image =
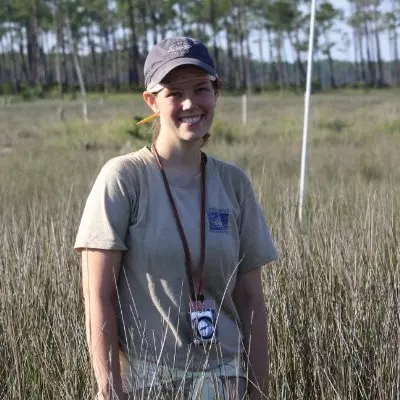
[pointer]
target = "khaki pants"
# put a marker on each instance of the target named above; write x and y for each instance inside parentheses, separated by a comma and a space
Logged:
(221, 388)
(145, 380)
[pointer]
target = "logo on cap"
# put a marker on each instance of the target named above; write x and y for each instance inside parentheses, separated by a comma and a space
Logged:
(180, 46)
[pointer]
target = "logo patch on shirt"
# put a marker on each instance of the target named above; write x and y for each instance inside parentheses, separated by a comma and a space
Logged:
(218, 219)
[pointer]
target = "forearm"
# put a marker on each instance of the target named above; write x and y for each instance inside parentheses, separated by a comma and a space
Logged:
(102, 336)
(249, 299)
(256, 342)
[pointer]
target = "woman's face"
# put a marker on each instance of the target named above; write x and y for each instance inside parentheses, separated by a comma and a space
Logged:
(186, 103)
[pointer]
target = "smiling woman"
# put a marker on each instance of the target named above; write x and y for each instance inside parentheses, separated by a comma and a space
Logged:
(185, 102)
(172, 243)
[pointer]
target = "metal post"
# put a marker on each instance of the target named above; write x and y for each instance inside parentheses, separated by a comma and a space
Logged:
(307, 108)
(244, 109)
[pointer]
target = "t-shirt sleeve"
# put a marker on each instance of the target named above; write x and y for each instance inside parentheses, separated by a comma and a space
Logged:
(256, 244)
(107, 212)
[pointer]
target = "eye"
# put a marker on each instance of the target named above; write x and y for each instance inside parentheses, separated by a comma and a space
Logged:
(173, 94)
(203, 89)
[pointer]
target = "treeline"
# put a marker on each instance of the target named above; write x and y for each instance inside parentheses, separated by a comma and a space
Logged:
(61, 45)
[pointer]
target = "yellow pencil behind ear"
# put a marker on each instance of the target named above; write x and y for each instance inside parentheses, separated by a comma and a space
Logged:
(148, 119)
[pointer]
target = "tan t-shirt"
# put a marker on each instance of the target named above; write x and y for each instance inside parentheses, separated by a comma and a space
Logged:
(128, 209)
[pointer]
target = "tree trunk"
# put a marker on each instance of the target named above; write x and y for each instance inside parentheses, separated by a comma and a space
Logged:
(58, 70)
(73, 49)
(31, 44)
(371, 69)
(126, 74)
(133, 48)
(104, 59)
(43, 69)
(356, 63)
(154, 22)
(3, 65)
(331, 70)
(273, 75)
(93, 56)
(163, 32)
(143, 17)
(381, 79)
(249, 83)
(14, 65)
(181, 17)
(241, 51)
(115, 62)
(230, 70)
(213, 22)
(25, 73)
(262, 63)
(362, 59)
(64, 64)
(32, 31)
(47, 60)
(281, 75)
(318, 69)
(299, 64)
(396, 60)
(330, 61)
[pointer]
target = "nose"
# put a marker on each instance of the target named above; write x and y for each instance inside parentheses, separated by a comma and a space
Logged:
(187, 103)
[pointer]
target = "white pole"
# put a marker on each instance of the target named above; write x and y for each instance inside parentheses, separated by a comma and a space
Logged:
(244, 109)
(307, 108)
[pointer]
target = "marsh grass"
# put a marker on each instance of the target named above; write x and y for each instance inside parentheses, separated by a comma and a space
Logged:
(333, 298)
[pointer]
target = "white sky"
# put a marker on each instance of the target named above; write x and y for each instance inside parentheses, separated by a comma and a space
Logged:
(341, 51)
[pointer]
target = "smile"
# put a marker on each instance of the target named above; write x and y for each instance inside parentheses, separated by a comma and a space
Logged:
(190, 120)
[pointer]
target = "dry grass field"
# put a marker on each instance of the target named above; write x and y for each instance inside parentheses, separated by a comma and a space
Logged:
(334, 296)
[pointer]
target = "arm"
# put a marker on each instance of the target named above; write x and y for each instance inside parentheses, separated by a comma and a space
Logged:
(100, 269)
(249, 300)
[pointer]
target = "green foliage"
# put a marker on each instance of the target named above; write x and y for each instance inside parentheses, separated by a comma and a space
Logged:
(392, 127)
(221, 131)
(6, 88)
(336, 125)
(139, 132)
(370, 169)
(29, 93)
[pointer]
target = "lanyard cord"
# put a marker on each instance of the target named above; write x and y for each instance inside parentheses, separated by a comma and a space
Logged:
(199, 296)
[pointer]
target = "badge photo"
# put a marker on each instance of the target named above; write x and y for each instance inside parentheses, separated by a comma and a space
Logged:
(203, 322)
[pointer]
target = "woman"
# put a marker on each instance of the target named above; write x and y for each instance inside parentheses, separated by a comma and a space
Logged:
(172, 242)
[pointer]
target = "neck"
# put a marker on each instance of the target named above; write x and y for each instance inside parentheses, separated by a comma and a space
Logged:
(181, 155)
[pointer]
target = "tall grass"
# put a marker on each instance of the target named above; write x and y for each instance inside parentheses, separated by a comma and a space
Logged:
(333, 298)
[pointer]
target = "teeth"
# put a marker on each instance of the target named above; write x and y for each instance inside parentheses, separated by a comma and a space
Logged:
(190, 120)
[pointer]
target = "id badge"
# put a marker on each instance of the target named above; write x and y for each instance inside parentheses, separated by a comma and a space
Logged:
(203, 322)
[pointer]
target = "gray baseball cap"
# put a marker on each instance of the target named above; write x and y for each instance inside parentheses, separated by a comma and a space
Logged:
(172, 53)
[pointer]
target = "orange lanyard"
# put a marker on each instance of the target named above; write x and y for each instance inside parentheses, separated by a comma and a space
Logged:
(199, 296)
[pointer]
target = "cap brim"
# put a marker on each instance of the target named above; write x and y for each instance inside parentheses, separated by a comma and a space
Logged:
(165, 69)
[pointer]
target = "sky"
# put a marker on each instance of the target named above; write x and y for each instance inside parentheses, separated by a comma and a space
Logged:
(341, 51)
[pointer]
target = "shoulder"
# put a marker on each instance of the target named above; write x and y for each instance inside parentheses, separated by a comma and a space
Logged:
(127, 169)
(127, 163)
(231, 174)
(125, 172)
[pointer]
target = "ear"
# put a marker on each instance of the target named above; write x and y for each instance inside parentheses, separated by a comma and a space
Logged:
(217, 85)
(150, 100)
(216, 95)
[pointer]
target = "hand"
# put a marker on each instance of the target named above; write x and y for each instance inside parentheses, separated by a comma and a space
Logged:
(256, 394)
(115, 396)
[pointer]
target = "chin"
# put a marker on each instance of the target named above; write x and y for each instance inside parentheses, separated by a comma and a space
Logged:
(192, 136)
